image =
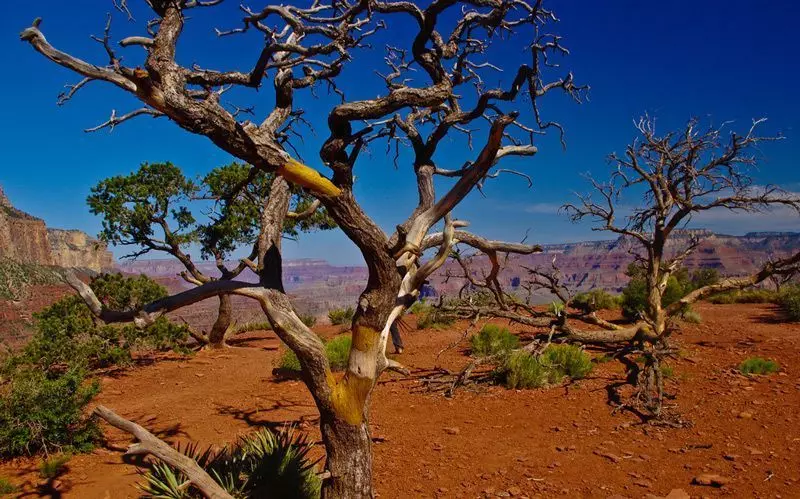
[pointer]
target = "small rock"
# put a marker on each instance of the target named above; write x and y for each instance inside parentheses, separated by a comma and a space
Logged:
(677, 494)
(443, 490)
(711, 480)
(452, 430)
(730, 457)
(745, 415)
(514, 491)
(643, 483)
(608, 455)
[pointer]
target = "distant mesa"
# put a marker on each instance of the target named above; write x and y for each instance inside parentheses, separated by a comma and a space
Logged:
(27, 239)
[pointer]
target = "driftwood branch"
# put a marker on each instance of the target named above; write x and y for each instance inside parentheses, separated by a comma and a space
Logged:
(150, 444)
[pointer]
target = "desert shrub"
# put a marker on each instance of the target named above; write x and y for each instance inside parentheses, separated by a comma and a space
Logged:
(337, 350)
(53, 466)
(594, 300)
(757, 365)
(679, 284)
(667, 371)
(744, 296)
(289, 361)
(339, 316)
(43, 411)
(570, 360)
(692, 317)
(789, 300)
(252, 326)
(66, 332)
(434, 318)
(492, 340)
(523, 370)
(308, 319)
(418, 307)
(6, 487)
(15, 277)
(264, 464)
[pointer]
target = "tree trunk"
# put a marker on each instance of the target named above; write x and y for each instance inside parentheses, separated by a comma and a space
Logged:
(216, 337)
(349, 459)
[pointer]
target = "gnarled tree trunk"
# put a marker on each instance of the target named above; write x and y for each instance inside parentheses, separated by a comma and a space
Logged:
(216, 337)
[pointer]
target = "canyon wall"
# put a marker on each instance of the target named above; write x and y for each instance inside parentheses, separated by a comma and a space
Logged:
(26, 239)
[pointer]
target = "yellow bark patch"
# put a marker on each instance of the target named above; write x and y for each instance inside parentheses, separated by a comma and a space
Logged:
(364, 338)
(349, 396)
(300, 174)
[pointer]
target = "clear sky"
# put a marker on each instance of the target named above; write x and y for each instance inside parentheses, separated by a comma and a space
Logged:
(722, 60)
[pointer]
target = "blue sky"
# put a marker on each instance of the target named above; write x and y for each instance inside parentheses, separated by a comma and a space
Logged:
(725, 60)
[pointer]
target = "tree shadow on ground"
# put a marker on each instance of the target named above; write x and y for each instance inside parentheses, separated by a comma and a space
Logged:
(262, 417)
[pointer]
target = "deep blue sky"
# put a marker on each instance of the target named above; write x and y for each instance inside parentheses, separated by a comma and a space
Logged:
(727, 60)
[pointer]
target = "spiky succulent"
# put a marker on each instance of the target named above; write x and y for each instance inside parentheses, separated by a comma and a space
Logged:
(263, 464)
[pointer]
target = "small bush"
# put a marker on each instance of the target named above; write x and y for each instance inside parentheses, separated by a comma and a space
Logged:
(53, 467)
(692, 317)
(337, 350)
(667, 371)
(6, 487)
(340, 316)
(418, 307)
(308, 319)
(757, 365)
(264, 464)
(523, 370)
(789, 300)
(570, 360)
(41, 411)
(252, 326)
(434, 318)
(594, 300)
(493, 339)
(744, 296)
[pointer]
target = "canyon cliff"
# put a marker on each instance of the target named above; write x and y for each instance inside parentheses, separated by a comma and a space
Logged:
(25, 238)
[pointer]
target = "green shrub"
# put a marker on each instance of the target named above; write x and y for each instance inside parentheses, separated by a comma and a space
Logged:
(252, 326)
(6, 487)
(493, 339)
(15, 277)
(692, 317)
(308, 319)
(289, 361)
(340, 316)
(337, 350)
(66, 332)
(523, 370)
(757, 365)
(744, 296)
(418, 307)
(264, 464)
(570, 360)
(594, 300)
(43, 411)
(679, 284)
(52, 467)
(434, 318)
(789, 300)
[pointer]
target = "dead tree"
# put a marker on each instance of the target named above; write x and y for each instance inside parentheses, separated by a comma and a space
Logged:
(305, 47)
(681, 174)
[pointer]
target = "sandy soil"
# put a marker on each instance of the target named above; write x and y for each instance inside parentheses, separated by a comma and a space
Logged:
(488, 442)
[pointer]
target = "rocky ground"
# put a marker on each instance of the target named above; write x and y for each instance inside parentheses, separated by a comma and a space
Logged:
(742, 432)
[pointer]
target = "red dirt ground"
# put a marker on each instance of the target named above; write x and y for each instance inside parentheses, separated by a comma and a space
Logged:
(491, 441)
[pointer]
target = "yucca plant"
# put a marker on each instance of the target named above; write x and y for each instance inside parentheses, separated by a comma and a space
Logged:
(263, 464)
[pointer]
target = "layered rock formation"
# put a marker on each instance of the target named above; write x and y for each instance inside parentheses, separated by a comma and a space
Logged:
(25, 238)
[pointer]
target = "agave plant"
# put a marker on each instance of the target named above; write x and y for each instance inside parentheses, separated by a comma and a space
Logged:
(263, 464)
